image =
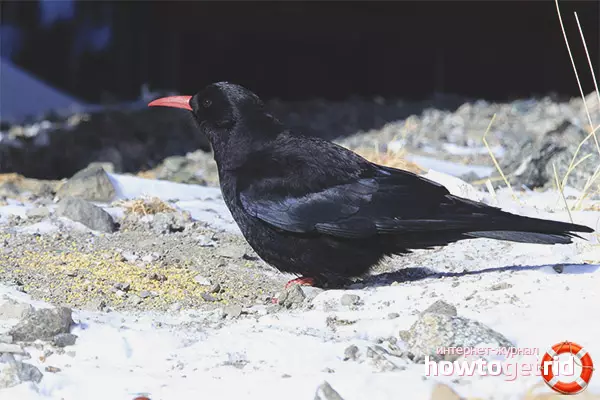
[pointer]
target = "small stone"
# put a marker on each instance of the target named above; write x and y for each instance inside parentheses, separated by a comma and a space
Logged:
(175, 307)
(393, 315)
(310, 292)
(52, 369)
(326, 392)
(350, 299)
(441, 307)
(216, 288)
(233, 311)
(64, 339)
(208, 297)
(500, 286)
(293, 296)
(351, 353)
(145, 294)
(123, 287)
(231, 251)
(148, 258)
(559, 268)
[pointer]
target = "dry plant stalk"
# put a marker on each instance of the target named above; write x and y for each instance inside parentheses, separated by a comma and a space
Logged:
(146, 206)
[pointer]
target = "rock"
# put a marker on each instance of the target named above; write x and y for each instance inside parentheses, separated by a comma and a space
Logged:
(231, 251)
(202, 280)
(378, 355)
(52, 369)
(145, 294)
(393, 315)
(42, 324)
(326, 392)
(18, 372)
(88, 214)
(310, 292)
(441, 307)
(350, 299)
(233, 311)
(500, 286)
(444, 392)
(12, 309)
(293, 296)
(438, 331)
(350, 353)
(91, 183)
(38, 212)
(64, 339)
(169, 222)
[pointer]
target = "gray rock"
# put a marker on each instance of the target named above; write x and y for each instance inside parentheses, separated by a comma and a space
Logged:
(310, 292)
(350, 299)
(169, 222)
(293, 296)
(18, 372)
(350, 353)
(393, 315)
(64, 339)
(438, 331)
(42, 324)
(88, 214)
(326, 392)
(441, 307)
(38, 212)
(12, 309)
(500, 286)
(378, 356)
(91, 183)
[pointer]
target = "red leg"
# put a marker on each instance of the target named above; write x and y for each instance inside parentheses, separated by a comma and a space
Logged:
(303, 281)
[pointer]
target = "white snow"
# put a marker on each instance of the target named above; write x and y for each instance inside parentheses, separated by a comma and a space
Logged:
(449, 167)
(173, 357)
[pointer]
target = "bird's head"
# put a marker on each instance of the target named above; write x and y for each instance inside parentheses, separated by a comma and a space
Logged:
(230, 116)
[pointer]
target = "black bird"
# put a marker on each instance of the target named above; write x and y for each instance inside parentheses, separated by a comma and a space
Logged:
(312, 208)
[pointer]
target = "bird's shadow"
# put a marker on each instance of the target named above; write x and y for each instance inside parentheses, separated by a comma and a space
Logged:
(421, 273)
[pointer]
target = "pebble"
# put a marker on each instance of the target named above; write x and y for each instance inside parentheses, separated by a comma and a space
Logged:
(350, 353)
(202, 280)
(64, 339)
(501, 286)
(393, 315)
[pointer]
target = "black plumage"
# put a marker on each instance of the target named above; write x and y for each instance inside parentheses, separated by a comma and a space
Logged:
(310, 207)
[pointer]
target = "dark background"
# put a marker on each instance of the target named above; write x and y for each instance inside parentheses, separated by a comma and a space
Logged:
(497, 50)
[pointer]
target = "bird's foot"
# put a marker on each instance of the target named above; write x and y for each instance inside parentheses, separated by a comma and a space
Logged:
(303, 281)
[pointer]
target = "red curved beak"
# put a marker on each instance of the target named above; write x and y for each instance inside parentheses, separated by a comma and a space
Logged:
(173, 101)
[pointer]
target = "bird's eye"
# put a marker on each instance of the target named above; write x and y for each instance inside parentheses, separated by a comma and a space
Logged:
(206, 103)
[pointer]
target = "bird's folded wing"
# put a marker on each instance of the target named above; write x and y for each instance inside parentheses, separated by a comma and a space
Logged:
(389, 202)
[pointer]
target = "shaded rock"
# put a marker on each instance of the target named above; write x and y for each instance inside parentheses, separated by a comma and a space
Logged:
(326, 392)
(350, 353)
(233, 311)
(18, 372)
(441, 307)
(64, 339)
(163, 223)
(88, 214)
(42, 324)
(291, 297)
(437, 331)
(91, 183)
